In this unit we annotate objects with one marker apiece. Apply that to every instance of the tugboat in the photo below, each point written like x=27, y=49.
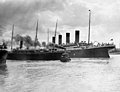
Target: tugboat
x=65, y=57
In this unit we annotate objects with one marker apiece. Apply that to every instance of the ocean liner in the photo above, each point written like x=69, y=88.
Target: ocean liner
x=89, y=51
x=75, y=50
x=86, y=50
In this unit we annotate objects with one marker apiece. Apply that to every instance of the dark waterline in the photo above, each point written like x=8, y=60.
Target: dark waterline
x=79, y=75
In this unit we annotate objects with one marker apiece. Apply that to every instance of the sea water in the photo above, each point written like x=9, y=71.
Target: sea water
x=78, y=75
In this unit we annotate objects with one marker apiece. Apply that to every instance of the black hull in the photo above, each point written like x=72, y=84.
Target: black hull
x=3, y=56
x=35, y=56
x=100, y=52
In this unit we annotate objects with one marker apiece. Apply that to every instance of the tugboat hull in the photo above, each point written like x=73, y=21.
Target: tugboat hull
x=65, y=57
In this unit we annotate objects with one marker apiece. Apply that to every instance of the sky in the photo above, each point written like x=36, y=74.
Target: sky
x=71, y=15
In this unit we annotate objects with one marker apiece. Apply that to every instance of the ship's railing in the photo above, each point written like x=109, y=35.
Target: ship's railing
x=25, y=51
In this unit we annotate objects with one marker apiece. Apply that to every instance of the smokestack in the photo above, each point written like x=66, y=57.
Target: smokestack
x=77, y=36
x=53, y=39
x=59, y=39
x=21, y=44
x=67, y=38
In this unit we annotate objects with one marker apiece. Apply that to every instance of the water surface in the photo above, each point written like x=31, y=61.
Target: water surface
x=79, y=75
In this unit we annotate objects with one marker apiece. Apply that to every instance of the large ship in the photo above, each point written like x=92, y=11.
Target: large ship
x=53, y=53
x=86, y=50
x=34, y=55
x=89, y=51
x=75, y=50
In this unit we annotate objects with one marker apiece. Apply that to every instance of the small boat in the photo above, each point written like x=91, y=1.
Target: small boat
x=115, y=51
x=65, y=57
x=3, y=54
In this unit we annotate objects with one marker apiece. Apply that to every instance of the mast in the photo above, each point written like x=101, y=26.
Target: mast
x=12, y=37
x=36, y=35
x=56, y=29
x=48, y=36
x=89, y=26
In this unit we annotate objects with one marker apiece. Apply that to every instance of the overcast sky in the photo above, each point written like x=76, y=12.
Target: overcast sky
x=71, y=14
